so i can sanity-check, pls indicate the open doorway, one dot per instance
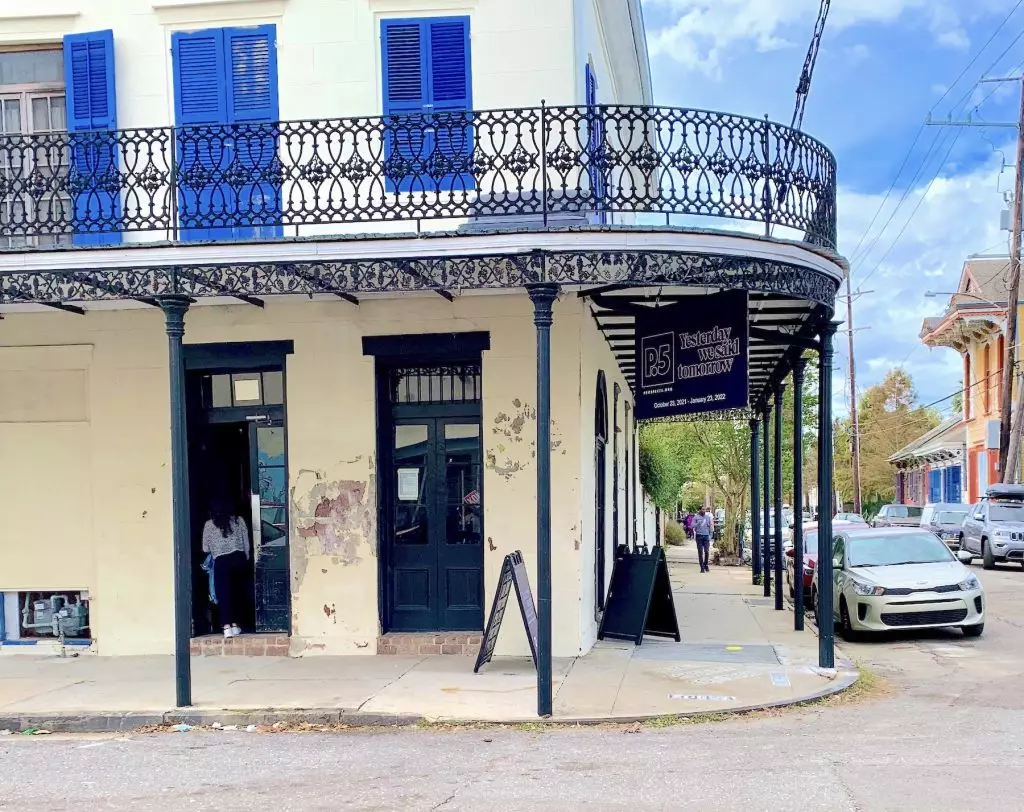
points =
(237, 455)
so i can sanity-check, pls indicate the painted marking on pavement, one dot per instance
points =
(703, 697)
(780, 680)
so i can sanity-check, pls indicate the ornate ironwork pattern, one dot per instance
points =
(355, 276)
(599, 161)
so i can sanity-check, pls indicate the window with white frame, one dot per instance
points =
(32, 103)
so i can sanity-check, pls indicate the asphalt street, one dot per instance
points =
(946, 731)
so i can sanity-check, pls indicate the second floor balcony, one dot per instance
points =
(534, 167)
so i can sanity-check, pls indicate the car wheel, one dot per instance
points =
(988, 560)
(845, 626)
(963, 549)
(973, 631)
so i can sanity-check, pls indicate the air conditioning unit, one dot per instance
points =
(992, 434)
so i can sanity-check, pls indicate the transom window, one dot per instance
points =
(32, 102)
(435, 385)
(243, 389)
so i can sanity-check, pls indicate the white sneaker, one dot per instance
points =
(236, 630)
(229, 631)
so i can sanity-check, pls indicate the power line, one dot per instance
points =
(977, 56)
(917, 136)
(924, 194)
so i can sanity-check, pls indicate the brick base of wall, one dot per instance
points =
(247, 645)
(465, 644)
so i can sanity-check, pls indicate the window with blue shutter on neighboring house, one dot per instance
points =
(92, 153)
(226, 106)
(595, 143)
(428, 100)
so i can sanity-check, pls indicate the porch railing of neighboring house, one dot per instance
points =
(637, 165)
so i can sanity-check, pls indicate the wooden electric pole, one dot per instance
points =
(854, 424)
(1006, 472)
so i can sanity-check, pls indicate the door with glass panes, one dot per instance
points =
(434, 524)
(268, 467)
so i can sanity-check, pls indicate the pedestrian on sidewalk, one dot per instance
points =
(226, 538)
(703, 528)
(688, 524)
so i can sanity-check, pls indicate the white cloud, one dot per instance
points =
(703, 30)
(856, 54)
(958, 217)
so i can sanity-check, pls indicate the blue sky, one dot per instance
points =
(884, 66)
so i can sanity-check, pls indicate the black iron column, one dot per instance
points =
(543, 297)
(755, 504)
(765, 541)
(780, 388)
(798, 495)
(174, 308)
(826, 626)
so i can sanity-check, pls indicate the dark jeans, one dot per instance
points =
(703, 550)
(229, 582)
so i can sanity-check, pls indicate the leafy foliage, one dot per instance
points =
(889, 419)
(674, 534)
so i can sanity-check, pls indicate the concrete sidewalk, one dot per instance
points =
(737, 653)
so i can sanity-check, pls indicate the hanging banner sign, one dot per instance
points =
(692, 357)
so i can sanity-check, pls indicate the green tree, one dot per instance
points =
(889, 418)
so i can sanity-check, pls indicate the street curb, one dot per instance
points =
(121, 722)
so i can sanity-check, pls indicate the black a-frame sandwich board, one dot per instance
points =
(513, 573)
(640, 599)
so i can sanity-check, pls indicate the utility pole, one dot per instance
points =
(855, 425)
(1013, 454)
(1006, 472)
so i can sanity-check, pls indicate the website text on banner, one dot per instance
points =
(692, 357)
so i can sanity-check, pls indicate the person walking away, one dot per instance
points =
(688, 524)
(703, 527)
(226, 538)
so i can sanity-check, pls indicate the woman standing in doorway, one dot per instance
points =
(226, 538)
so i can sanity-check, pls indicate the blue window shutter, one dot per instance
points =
(450, 75)
(450, 96)
(595, 144)
(252, 100)
(407, 142)
(404, 59)
(252, 62)
(200, 98)
(200, 92)
(91, 102)
(591, 86)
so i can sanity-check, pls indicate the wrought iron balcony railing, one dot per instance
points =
(257, 180)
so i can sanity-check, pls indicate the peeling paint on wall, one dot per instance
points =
(507, 456)
(338, 514)
(333, 519)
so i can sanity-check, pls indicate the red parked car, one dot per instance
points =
(810, 561)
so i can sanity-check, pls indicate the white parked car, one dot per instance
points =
(901, 578)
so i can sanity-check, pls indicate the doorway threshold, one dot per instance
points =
(416, 644)
(245, 645)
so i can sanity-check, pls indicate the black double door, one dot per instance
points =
(435, 525)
